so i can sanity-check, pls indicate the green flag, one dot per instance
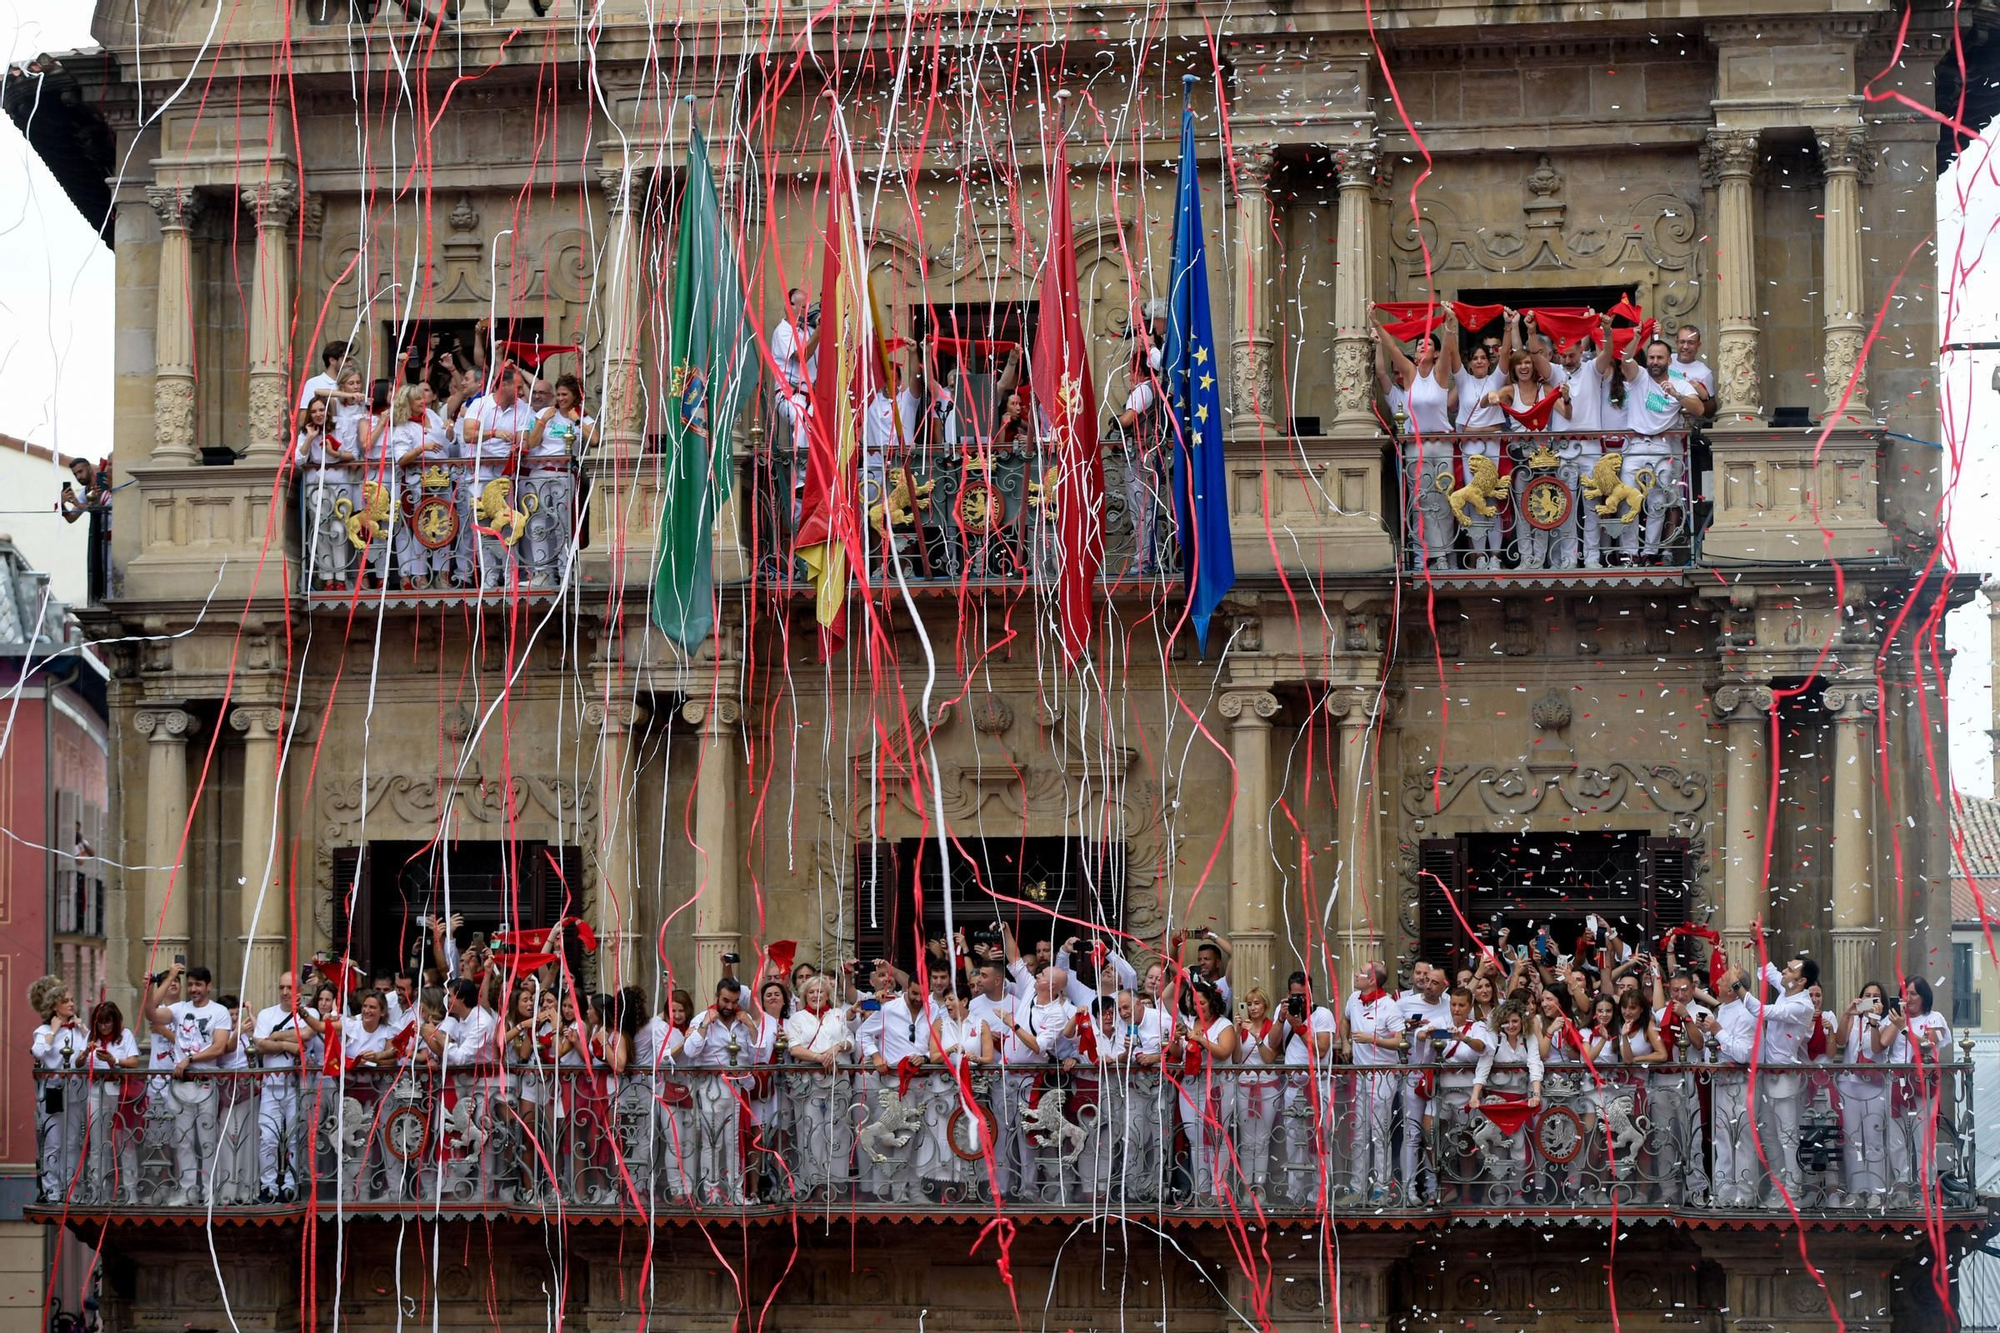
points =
(712, 368)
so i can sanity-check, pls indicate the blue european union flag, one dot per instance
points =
(1201, 484)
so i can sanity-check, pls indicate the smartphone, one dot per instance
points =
(1873, 1006)
(180, 959)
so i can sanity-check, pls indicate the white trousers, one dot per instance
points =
(1371, 1155)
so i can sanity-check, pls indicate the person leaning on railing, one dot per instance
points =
(1430, 397)
(59, 1047)
(327, 478)
(198, 1030)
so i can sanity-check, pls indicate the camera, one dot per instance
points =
(1295, 1005)
(731, 959)
(812, 316)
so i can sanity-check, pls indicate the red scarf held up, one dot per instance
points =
(1816, 1044)
(907, 1070)
(1411, 319)
(1565, 327)
(1538, 416)
(1473, 318)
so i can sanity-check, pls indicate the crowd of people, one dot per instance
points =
(1544, 452)
(1043, 1075)
(460, 477)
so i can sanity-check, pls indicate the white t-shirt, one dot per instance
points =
(517, 419)
(561, 437)
(126, 1047)
(1380, 1018)
(1902, 1051)
(1046, 1022)
(1694, 372)
(997, 1016)
(195, 1028)
(321, 383)
(1586, 396)
(787, 341)
(1435, 1014)
(357, 1041)
(60, 1049)
(272, 1021)
(1649, 408)
(1474, 413)
(468, 1040)
(1320, 1022)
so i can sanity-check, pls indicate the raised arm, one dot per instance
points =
(1388, 353)
(1538, 347)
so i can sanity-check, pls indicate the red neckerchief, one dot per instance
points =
(1816, 1043)
(1463, 1031)
(1668, 1038)
(1371, 997)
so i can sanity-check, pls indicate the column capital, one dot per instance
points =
(613, 181)
(1254, 164)
(166, 725)
(1357, 164)
(275, 202)
(1852, 702)
(1249, 708)
(258, 722)
(1729, 153)
(713, 717)
(1744, 701)
(177, 206)
(1845, 150)
(615, 716)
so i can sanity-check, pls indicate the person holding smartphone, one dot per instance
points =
(1864, 1101)
(1915, 1036)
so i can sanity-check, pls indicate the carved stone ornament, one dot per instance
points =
(1840, 366)
(1518, 789)
(992, 716)
(1248, 707)
(258, 721)
(1359, 165)
(1846, 150)
(1727, 153)
(275, 202)
(464, 217)
(1252, 378)
(1852, 703)
(166, 725)
(267, 408)
(712, 715)
(1738, 382)
(1353, 377)
(1254, 164)
(1544, 180)
(173, 414)
(177, 207)
(1744, 702)
(1551, 712)
(618, 715)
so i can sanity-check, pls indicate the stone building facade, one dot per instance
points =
(282, 759)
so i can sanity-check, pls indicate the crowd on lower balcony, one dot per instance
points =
(460, 478)
(1533, 449)
(1530, 1081)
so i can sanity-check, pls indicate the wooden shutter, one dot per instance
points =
(350, 927)
(877, 904)
(1441, 900)
(1669, 886)
(556, 879)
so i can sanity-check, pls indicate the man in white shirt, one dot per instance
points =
(722, 1038)
(1732, 1033)
(1374, 1028)
(199, 1029)
(327, 381)
(1677, 1097)
(278, 1037)
(1039, 1040)
(1129, 1083)
(495, 429)
(1690, 367)
(928, 412)
(898, 1039)
(1425, 1011)
(1788, 1022)
(1143, 430)
(1657, 404)
(463, 1043)
(1303, 1033)
(1583, 368)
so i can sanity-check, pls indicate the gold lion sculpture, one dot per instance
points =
(900, 506)
(495, 509)
(1609, 490)
(364, 524)
(1480, 493)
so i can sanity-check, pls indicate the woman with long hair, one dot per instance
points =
(1918, 1038)
(1208, 1040)
(1864, 1100)
(1256, 1093)
(767, 1108)
(326, 472)
(58, 1048)
(1429, 476)
(1565, 1081)
(1527, 422)
(1511, 1065)
(411, 444)
(117, 1107)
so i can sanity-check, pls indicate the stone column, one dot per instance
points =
(1845, 156)
(1353, 291)
(614, 910)
(173, 327)
(166, 923)
(276, 204)
(1856, 923)
(1730, 162)
(1252, 914)
(261, 907)
(621, 292)
(1745, 712)
(1358, 917)
(1992, 591)
(1256, 411)
(718, 920)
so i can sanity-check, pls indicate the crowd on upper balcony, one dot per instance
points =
(1563, 446)
(460, 476)
(1059, 1076)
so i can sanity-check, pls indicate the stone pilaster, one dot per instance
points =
(1729, 161)
(1856, 922)
(173, 327)
(718, 916)
(276, 204)
(265, 928)
(621, 288)
(1254, 387)
(1252, 915)
(614, 909)
(1354, 256)
(1846, 158)
(166, 924)
(1744, 710)
(1358, 914)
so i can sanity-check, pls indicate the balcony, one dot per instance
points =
(1549, 509)
(436, 535)
(1266, 1146)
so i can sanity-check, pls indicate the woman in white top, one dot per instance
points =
(411, 444)
(1206, 1042)
(1257, 1092)
(1864, 1100)
(377, 473)
(817, 1038)
(58, 1047)
(1525, 388)
(326, 477)
(344, 416)
(1513, 1065)
(661, 1051)
(1429, 398)
(560, 434)
(1565, 1082)
(1919, 1039)
(116, 1107)
(364, 1045)
(958, 1041)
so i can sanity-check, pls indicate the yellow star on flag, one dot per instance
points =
(1201, 413)
(1201, 356)
(1207, 382)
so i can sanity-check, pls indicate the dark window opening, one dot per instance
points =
(1638, 885)
(408, 347)
(1964, 999)
(968, 354)
(492, 885)
(1042, 888)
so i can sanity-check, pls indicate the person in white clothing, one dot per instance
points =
(1428, 470)
(1657, 405)
(278, 1036)
(410, 446)
(59, 1047)
(661, 1049)
(794, 341)
(466, 1046)
(1143, 429)
(327, 381)
(116, 1107)
(1788, 1022)
(817, 1039)
(1459, 1046)
(1583, 371)
(495, 432)
(1302, 1039)
(326, 477)
(1511, 1064)
(1426, 1011)
(198, 1029)
(560, 434)
(1864, 1101)
(1206, 1042)
(1918, 1039)
(959, 1043)
(1689, 366)
(898, 1044)
(1039, 1039)
(1372, 1024)
(1256, 1097)
(723, 1038)
(1482, 388)
(1732, 1034)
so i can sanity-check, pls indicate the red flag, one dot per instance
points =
(1063, 389)
(1417, 326)
(1411, 319)
(778, 958)
(1622, 338)
(533, 355)
(1624, 309)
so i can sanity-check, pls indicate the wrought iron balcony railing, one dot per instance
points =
(1534, 502)
(1844, 1142)
(452, 527)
